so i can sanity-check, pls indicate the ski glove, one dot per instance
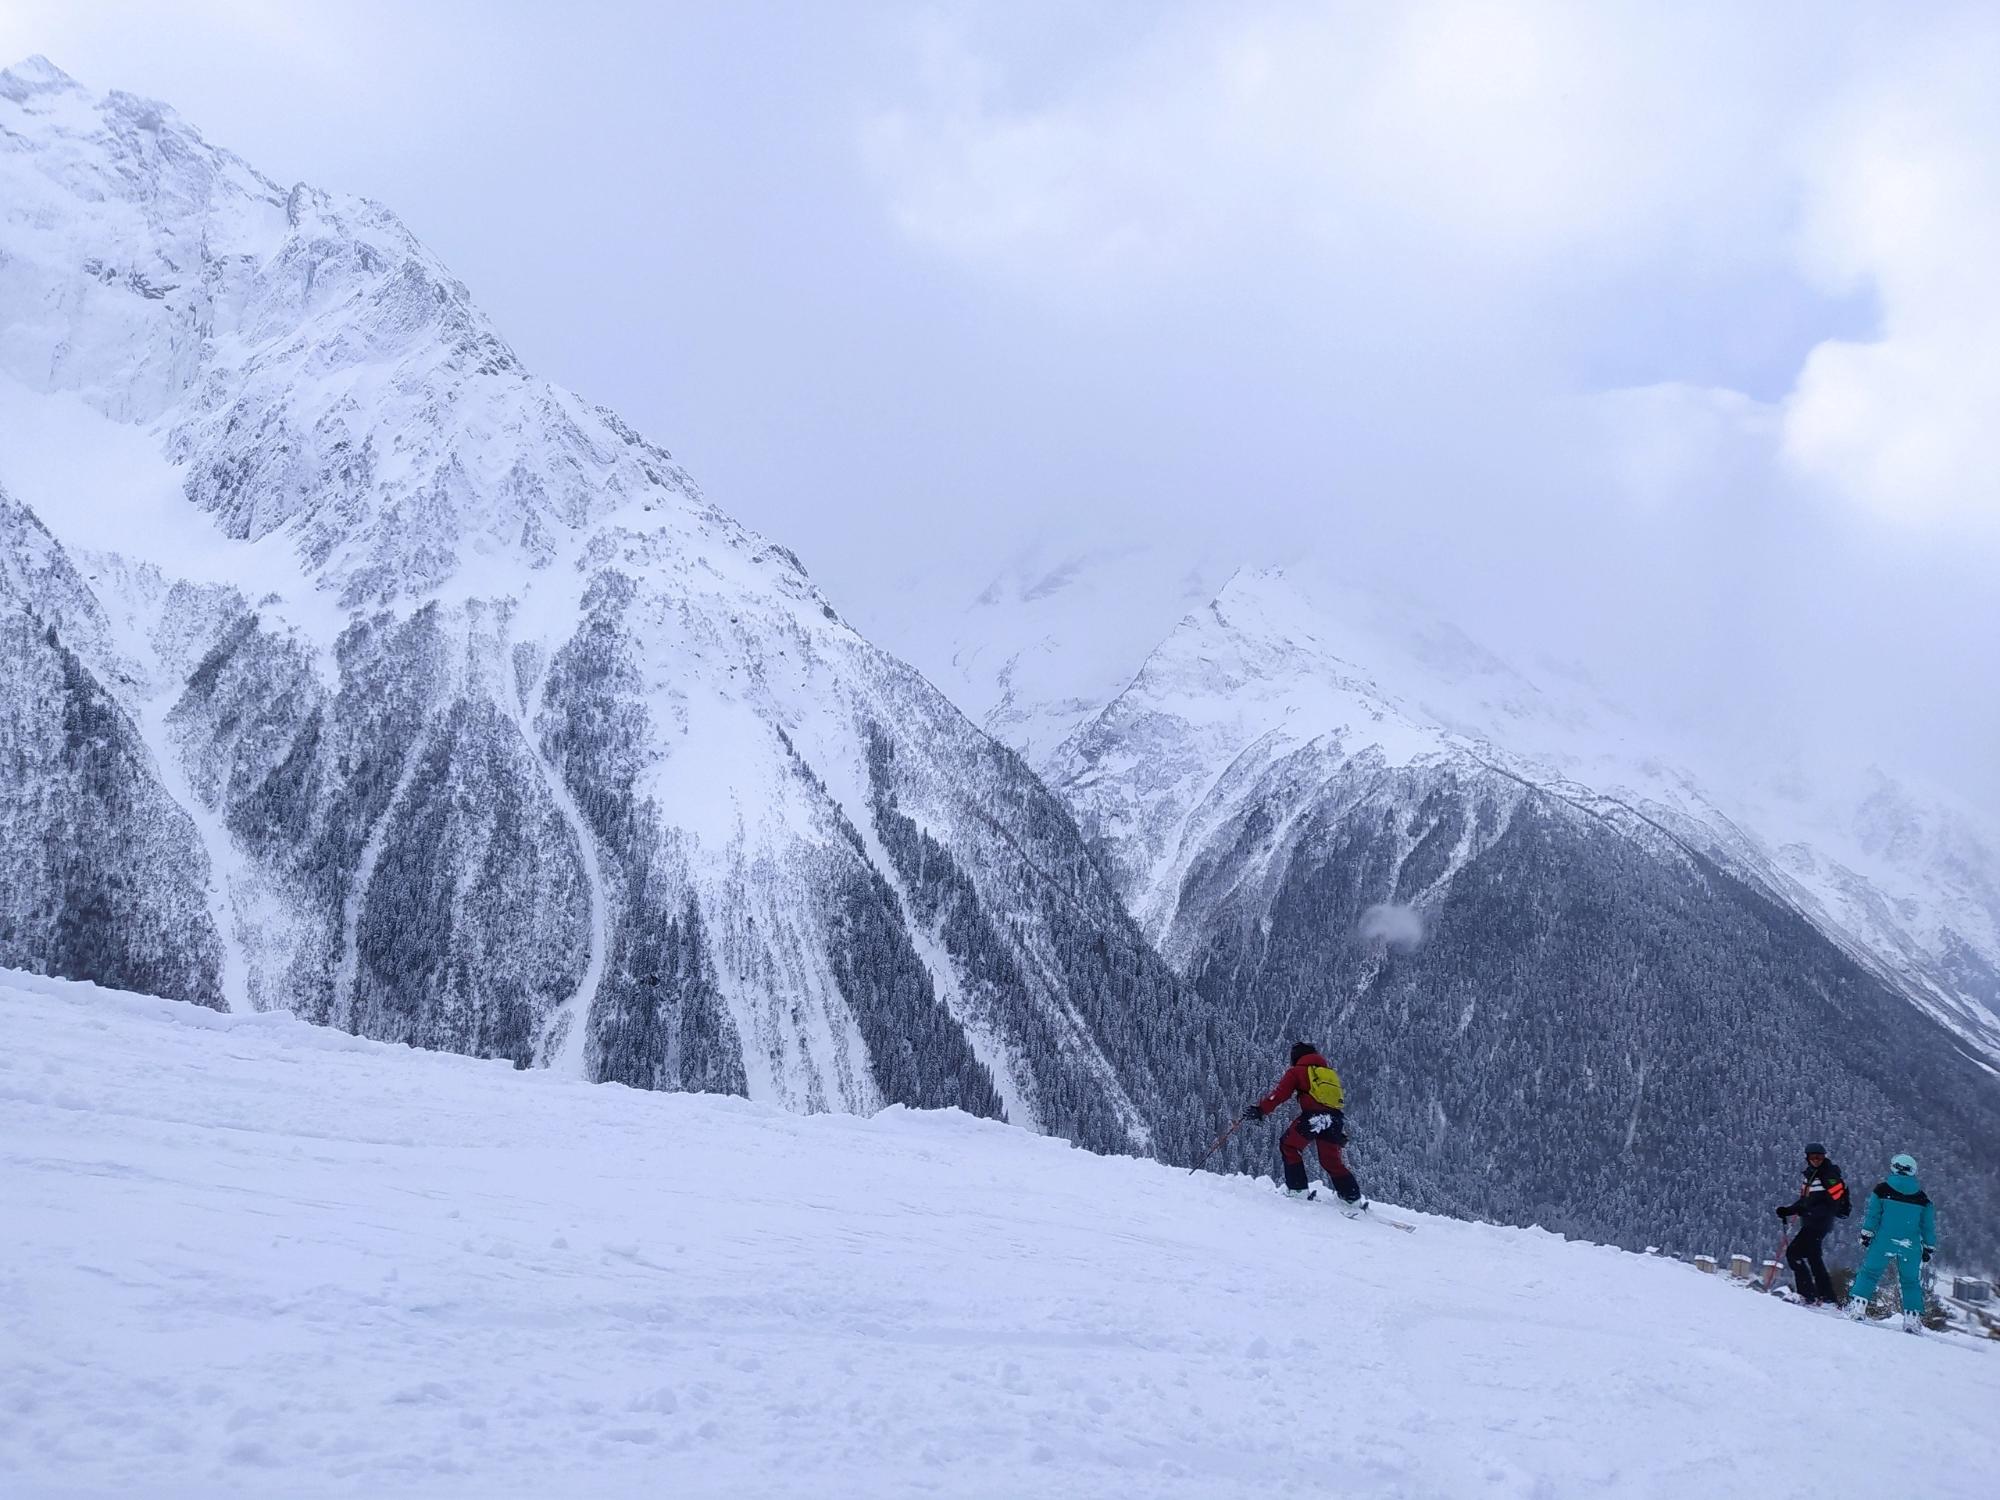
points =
(1785, 1212)
(1867, 1238)
(1254, 1112)
(1927, 1253)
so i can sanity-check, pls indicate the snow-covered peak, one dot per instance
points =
(35, 75)
(311, 371)
(1032, 648)
(1293, 627)
(1283, 657)
(1261, 678)
(120, 225)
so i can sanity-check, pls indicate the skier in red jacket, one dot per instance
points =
(1317, 1088)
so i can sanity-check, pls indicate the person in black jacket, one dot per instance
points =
(1822, 1199)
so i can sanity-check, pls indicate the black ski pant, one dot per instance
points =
(1803, 1256)
(1325, 1131)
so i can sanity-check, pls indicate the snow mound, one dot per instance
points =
(249, 1256)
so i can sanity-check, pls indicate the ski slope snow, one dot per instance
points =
(245, 1255)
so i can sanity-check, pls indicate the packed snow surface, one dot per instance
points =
(244, 1255)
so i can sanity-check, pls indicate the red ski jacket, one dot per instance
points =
(1296, 1084)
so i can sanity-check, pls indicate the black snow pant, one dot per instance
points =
(1325, 1131)
(1803, 1256)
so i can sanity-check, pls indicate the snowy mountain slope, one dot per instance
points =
(1237, 689)
(489, 731)
(1616, 1024)
(83, 795)
(1906, 879)
(287, 1261)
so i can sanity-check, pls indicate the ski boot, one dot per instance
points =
(1912, 1323)
(1857, 1308)
(1299, 1195)
(1355, 1209)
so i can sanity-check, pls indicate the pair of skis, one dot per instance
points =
(1311, 1195)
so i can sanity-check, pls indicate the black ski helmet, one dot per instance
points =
(1301, 1049)
(1814, 1148)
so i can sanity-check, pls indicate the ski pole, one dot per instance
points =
(1784, 1244)
(1234, 1126)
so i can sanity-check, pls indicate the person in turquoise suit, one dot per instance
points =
(1900, 1225)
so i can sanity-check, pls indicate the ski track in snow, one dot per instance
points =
(347, 975)
(802, 1046)
(1638, 1104)
(569, 1031)
(247, 1256)
(223, 860)
(988, 1047)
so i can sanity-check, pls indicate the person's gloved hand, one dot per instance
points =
(1785, 1212)
(1927, 1254)
(1867, 1238)
(1254, 1112)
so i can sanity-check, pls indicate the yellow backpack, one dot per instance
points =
(1324, 1085)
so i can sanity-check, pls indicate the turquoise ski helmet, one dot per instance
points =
(1904, 1163)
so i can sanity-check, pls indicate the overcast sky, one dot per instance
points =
(1666, 337)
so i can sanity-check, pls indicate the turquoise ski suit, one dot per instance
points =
(1903, 1223)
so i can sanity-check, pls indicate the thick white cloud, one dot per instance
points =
(1507, 133)
(1904, 197)
(1660, 443)
(1632, 324)
(1501, 160)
